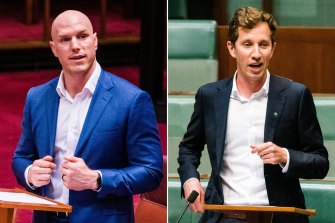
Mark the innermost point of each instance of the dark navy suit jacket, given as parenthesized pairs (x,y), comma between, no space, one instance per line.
(291,122)
(119,138)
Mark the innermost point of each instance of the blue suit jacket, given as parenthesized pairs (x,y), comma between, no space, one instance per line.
(290,122)
(119,138)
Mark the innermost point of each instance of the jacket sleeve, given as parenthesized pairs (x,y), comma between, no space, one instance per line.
(311,159)
(192,144)
(144,152)
(25,152)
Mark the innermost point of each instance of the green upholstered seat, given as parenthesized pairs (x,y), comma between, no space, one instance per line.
(192,54)
(325,107)
(192,39)
(180,108)
(189,74)
(320,195)
(177,9)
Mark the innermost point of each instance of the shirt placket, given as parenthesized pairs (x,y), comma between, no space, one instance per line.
(72,136)
(252,140)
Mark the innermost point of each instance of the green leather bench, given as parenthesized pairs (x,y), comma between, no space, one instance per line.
(177,9)
(180,108)
(192,54)
(325,107)
(319,195)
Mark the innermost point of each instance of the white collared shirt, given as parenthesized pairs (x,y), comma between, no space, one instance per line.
(71,117)
(242,172)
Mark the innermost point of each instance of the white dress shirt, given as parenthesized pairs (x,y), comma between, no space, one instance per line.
(71,117)
(242,172)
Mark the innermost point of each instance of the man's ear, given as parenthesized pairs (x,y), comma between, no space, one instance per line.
(95,35)
(52,46)
(231,48)
(273,48)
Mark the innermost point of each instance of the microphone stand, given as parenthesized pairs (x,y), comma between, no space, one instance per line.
(191,198)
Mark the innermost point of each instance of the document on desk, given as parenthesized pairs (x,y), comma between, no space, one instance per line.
(23,197)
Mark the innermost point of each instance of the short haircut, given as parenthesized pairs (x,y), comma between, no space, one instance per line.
(248,18)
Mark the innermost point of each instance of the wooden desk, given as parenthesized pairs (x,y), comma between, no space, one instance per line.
(7,208)
(257,214)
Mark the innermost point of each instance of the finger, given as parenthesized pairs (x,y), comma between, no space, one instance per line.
(270,158)
(270,150)
(253,148)
(65,165)
(48,158)
(260,147)
(43,177)
(65,171)
(41,170)
(198,206)
(195,206)
(69,165)
(44,164)
(72,158)
(256,148)
(41,183)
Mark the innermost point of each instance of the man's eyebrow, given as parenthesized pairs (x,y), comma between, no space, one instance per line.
(79,32)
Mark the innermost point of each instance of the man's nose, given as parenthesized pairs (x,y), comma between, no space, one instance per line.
(256,54)
(74,44)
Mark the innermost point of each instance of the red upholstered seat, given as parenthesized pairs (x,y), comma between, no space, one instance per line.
(152,205)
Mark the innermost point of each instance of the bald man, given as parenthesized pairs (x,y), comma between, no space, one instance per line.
(89,138)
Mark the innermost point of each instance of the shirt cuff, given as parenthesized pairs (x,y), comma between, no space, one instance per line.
(31,186)
(285,167)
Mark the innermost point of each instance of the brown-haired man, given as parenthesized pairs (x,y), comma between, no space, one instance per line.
(261,130)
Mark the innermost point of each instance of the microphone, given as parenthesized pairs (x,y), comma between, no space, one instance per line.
(191,198)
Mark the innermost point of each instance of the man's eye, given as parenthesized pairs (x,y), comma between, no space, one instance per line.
(83,36)
(64,39)
(247,44)
(264,44)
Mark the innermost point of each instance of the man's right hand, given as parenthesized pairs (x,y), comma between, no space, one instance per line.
(39,173)
(189,186)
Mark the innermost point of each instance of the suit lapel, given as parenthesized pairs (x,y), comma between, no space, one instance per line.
(52,104)
(276,102)
(100,100)
(221,102)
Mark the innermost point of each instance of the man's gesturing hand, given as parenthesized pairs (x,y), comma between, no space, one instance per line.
(270,153)
(77,175)
(39,174)
(189,186)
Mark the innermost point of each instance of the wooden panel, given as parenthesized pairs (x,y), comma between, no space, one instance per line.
(303,54)
(215,207)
